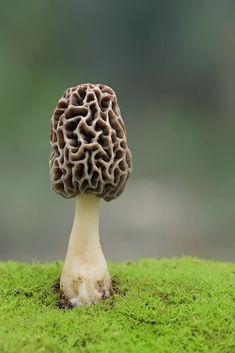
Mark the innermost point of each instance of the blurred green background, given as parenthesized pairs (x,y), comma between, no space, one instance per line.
(172,65)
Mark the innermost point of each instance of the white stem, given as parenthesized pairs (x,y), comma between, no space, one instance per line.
(84,240)
(85,278)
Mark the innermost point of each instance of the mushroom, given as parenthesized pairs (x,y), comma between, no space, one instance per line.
(89,160)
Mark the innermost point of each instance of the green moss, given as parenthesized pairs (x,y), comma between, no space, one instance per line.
(176,305)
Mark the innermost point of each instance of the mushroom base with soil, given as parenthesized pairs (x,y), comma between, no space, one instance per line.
(85,278)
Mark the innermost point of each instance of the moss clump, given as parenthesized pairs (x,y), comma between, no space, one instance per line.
(176,305)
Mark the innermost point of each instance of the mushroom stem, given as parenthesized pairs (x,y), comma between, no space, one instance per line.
(85,278)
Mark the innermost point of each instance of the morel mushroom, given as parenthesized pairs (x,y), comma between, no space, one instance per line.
(89,160)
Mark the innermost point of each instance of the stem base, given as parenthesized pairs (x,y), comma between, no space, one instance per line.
(85,285)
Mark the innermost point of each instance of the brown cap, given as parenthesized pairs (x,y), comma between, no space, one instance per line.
(89,146)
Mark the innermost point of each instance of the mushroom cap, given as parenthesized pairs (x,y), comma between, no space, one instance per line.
(89,151)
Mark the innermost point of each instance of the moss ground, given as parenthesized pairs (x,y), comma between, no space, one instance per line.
(176,305)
